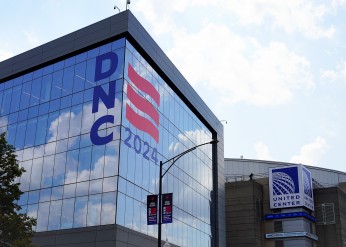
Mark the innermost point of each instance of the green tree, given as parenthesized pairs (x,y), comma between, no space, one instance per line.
(15,227)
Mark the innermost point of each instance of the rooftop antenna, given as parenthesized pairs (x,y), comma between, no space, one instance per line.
(116,7)
(127,4)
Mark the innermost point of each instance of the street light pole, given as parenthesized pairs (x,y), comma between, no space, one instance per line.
(174,159)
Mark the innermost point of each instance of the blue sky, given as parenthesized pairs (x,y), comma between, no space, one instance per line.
(275,70)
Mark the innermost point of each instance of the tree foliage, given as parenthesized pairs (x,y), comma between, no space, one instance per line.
(15,227)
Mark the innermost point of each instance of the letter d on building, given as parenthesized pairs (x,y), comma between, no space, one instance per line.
(101,62)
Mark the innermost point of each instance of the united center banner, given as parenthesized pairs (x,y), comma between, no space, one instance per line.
(290,187)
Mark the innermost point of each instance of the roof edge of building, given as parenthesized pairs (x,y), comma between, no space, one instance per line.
(284,164)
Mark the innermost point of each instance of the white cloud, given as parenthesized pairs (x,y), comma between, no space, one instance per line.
(339,73)
(292,16)
(238,68)
(311,153)
(338,3)
(343,69)
(32,38)
(262,151)
(5,55)
(329,75)
(162,15)
(303,16)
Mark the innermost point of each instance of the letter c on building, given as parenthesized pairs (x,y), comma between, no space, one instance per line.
(94,136)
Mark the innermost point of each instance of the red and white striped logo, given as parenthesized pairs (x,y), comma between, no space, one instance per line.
(149,120)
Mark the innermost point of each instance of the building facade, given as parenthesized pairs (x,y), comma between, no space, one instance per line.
(253,218)
(91,115)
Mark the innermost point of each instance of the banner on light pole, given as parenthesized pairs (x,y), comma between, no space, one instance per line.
(152,209)
(167,208)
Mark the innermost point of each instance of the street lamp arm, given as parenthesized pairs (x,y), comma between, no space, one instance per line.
(175,158)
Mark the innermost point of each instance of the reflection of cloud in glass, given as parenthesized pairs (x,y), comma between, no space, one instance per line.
(90,213)
(191,197)
(68,122)
(58,162)
(191,138)
(3,124)
(54,215)
(98,170)
(188,140)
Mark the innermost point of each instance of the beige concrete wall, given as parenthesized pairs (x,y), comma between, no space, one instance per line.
(244,225)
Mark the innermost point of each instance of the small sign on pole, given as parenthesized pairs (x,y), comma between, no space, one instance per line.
(167,208)
(152,209)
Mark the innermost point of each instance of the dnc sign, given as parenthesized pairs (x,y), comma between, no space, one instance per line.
(290,187)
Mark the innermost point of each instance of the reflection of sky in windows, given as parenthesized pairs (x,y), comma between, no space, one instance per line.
(47,116)
(190,179)
(71,183)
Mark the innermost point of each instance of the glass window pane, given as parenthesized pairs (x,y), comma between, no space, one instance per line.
(95,186)
(47,171)
(57,85)
(23,199)
(68,80)
(45,194)
(84,164)
(57,192)
(35,92)
(41,130)
(42,217)
(111,159)
(108,208)
(34,197)
(25,178)
(80,212)
(76,120)
(46,88)
(67,213)
(97,162)
(6,102)
(59,169)
(120,216)
(64,124)
(71,166)
(79,80)
(15,101)
(94,210)
(69,190)
(82,188)
(61,146)
(54,215)
(32,212)
(110,184)
(20,133)
(36,174)
(129,212)
(30,133)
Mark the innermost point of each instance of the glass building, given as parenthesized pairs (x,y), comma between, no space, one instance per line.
(91,116)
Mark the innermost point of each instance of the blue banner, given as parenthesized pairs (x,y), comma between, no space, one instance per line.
(289,215)
(152,209)
(167,208)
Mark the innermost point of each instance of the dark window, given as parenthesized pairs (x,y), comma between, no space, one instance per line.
(259,208)
(277,226)
(279,243)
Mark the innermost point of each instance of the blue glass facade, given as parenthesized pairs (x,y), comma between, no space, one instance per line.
(90,131)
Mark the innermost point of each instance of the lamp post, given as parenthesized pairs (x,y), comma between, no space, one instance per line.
(174,159)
